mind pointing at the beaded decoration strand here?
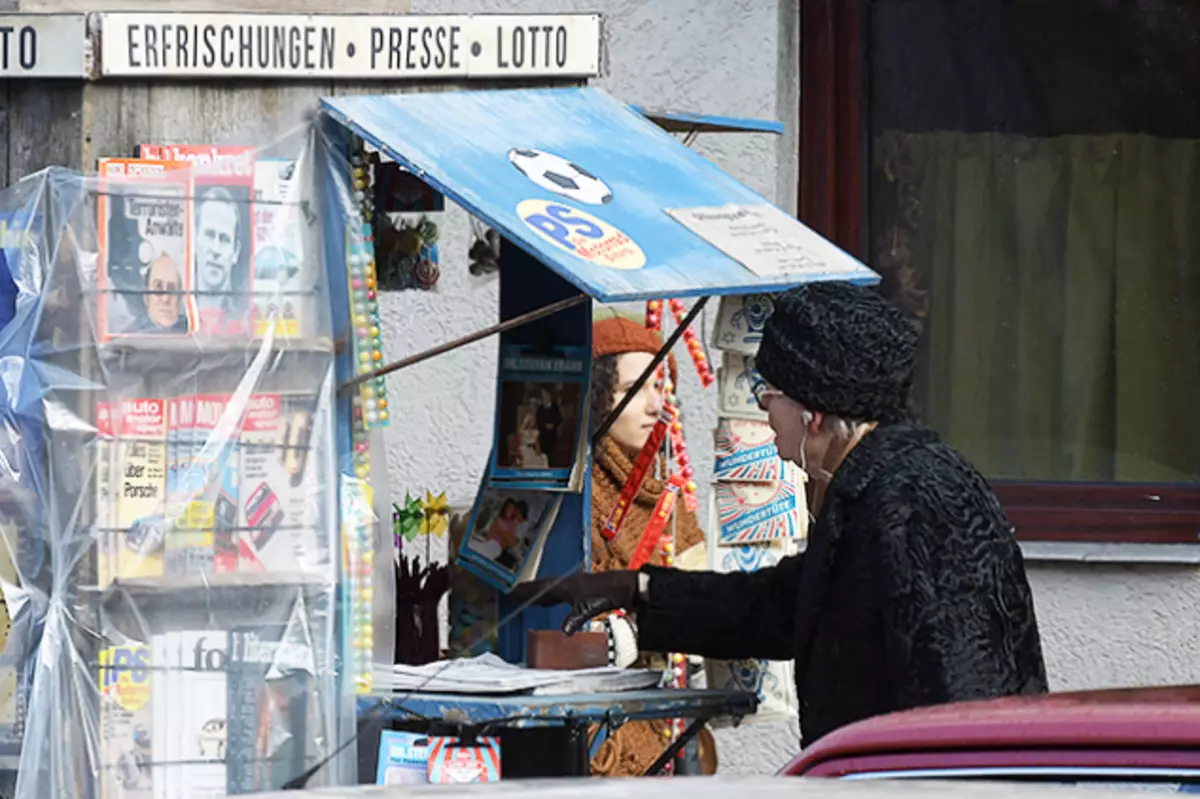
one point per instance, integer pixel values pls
(364, 302)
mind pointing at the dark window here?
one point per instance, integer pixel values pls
(1025, 174)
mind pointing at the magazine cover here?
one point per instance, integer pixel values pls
(202, 487)
(164, 650)
(107, 534)
(539, 415)
(222, 241)
(197, 721)
(503, 531)
(126, 725)
(278, 518)
(452, 762)
(222, 246)
(403, 758)
(279, 300)
(144, 275)
(141, 481)
(270, 682)
(199, 154)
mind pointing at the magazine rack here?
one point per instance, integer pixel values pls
(180, 498)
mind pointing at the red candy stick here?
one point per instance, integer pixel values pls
(654, 314)
(637, 476)
(652, 536)
(694, 346)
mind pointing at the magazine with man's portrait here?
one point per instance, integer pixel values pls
(222, 233)
(143, 225)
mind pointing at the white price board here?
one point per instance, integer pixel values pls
(770, 243)
(43, 46)
(349, 47)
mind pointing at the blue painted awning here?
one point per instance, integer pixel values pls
(581, 181)
(687, 121)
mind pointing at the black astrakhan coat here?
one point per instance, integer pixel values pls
(911, 592)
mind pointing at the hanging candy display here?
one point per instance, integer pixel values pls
(363, 285)
(683, 462)
(369, 409)
(694, 346)
(358, 562)
(682, 480)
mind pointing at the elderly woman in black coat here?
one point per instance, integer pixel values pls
(911, 591)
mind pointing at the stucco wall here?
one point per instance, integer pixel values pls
(1102, 625)
(1113, 625)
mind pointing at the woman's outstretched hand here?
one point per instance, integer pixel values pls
(589, 595)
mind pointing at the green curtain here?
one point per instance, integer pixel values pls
(1063, 334)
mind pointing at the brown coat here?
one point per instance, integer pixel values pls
(636, 744)
(609, 471)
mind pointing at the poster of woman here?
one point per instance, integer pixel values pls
(502, 533)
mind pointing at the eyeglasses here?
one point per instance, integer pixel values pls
(763, 394)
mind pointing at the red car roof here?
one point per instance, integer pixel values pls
(1166, 717)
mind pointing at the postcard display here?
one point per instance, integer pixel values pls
(758, 513)
(533, 506)
(187, 513)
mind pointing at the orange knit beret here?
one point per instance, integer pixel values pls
(617, 335)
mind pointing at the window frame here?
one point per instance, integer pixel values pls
(833, 200)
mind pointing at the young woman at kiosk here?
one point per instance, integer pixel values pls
(621, 349)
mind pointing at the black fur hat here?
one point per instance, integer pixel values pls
(840, 349)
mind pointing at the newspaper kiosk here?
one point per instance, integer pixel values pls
(595, 203)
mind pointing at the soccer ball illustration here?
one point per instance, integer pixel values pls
(557, 174)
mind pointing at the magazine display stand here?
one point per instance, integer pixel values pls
(184, 512)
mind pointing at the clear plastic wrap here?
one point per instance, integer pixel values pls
(183, 512)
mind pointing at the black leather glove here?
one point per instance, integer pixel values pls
(589, 595)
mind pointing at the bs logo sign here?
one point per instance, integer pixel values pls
(581, 234)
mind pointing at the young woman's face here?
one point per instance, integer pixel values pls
(633, 426)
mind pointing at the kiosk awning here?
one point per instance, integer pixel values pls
(689, 121)
(588, 186)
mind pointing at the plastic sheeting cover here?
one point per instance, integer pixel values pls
(169, 478)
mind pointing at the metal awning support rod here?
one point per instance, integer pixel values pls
(602, 430)
(440, 349)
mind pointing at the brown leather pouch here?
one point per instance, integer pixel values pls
(551, 649)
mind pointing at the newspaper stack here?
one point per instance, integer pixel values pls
(489, 674)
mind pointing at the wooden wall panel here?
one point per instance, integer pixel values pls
(72, 123)
(44, 126)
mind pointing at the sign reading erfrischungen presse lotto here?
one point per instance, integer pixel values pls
(149, 45)
(43, 46)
